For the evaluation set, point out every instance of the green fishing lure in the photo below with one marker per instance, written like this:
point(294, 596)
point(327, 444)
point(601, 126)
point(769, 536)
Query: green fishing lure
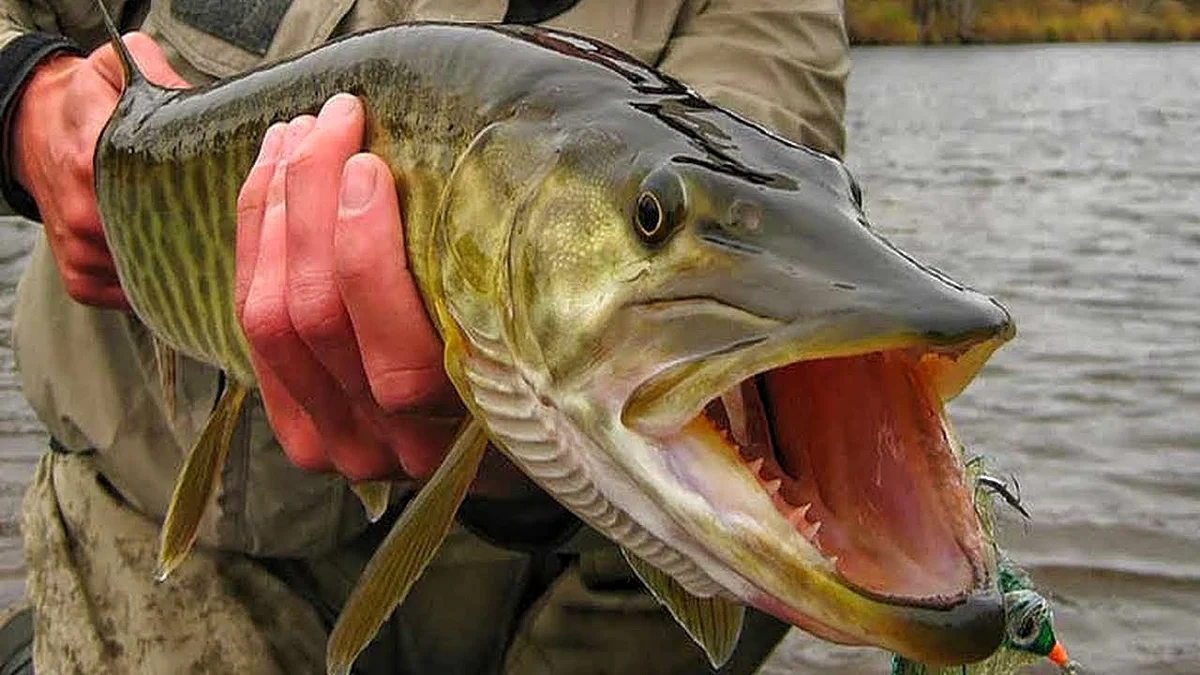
point(1029, 621)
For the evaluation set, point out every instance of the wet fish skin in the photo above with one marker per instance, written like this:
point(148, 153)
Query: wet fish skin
point(521, 156)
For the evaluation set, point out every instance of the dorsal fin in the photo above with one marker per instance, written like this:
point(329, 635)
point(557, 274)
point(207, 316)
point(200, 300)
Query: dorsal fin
point(133, 75)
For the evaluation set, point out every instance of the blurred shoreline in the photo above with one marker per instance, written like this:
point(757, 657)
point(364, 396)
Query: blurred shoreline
point(912, 22)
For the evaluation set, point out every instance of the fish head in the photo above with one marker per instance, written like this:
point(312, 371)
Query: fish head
point(759, 379)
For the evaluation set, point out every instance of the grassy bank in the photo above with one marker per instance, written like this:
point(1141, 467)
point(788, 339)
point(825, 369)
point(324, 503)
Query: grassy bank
point(954, 21)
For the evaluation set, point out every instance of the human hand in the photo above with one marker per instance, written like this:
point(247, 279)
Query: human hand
point(55, 128)
point(348, 364)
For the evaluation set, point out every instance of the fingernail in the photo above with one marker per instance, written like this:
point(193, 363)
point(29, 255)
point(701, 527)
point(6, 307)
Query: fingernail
point(272, 143)
point(339, 106)
point(358, 183)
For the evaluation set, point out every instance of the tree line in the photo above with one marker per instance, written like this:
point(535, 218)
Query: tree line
point(965, 21)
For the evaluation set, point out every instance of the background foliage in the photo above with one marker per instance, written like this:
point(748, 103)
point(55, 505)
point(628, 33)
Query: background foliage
point(956, 21)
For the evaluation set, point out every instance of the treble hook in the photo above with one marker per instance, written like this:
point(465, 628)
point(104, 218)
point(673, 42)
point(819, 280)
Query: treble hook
point(1001, 488)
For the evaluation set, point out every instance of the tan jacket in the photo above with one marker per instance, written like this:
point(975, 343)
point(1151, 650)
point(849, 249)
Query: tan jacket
point(89, 373)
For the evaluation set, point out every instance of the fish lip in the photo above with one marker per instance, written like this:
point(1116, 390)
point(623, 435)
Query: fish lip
point(970, 630)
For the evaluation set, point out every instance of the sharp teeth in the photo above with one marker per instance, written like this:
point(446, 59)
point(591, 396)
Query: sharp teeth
point(796, 517)
point(811, 531)
point(735, 410)
point(755, 466)
point(833, 562)
point(772, 486)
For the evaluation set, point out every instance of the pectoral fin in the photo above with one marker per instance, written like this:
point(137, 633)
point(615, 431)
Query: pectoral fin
point(374, 497)
point(164, 362)
point(406, 551)
point(198, 481)
point(714, 623)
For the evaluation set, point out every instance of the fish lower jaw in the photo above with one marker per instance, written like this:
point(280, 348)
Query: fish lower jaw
point(854, 455)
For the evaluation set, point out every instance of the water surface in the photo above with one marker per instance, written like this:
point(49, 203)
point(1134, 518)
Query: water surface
point(1065, 181)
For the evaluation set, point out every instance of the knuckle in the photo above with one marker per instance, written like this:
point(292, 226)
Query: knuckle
point(356, 472)
point(85, 258)
point(79, 217)
point(81, 287)
point(78, 290)
point(353, 267)
point(316, 313)
point(408, 389)
point(266, 323)
point(307, 158)
point(361, 466)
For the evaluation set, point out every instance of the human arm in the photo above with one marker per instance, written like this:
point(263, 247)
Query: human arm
point(58, 114)
point(56, 105)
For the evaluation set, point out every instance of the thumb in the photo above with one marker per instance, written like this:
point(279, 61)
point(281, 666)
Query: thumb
point(147, 55)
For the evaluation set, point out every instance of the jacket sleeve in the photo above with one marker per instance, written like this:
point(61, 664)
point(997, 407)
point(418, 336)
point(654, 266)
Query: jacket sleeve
point(782, 63)
point(18, 18)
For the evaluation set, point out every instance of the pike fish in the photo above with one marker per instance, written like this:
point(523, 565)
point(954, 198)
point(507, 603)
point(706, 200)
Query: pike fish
point(677, 323)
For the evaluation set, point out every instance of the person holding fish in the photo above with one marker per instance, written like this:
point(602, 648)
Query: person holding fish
point(350, 376)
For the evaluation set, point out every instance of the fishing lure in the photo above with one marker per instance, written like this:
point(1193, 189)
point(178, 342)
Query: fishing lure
point(1029, 620)
point(1029, 634)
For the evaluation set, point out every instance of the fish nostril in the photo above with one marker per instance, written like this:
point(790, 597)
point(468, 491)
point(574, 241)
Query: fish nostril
point(743, 217)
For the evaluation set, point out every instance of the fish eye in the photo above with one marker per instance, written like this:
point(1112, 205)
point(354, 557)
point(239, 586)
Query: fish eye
point(1027, 630)
point(1026, 611)
point(660, 206)
point(649, 217)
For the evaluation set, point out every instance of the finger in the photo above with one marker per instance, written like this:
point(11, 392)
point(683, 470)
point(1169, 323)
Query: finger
point(148, 56)
point(80, 253)
point(78, 214)
point(304, 443)
point(280, 355)
point(314, 304)
point(252, 201)
point(153, 62)
point(110, 296)
point(87, 289)
point(420, 442)
point(294, 429)
point(401, 352)
point(339, 441)
point(265, 319)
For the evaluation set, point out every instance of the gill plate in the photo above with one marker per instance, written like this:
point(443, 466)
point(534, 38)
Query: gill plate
point(545, 445)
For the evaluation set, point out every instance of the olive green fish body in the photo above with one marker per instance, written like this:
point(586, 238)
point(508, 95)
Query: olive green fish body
point(608, 257)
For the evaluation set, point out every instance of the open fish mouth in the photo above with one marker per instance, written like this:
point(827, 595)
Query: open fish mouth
point(854, 452)
point(830, 484)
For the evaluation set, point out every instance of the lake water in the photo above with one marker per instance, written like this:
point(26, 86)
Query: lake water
point(1064, 180)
